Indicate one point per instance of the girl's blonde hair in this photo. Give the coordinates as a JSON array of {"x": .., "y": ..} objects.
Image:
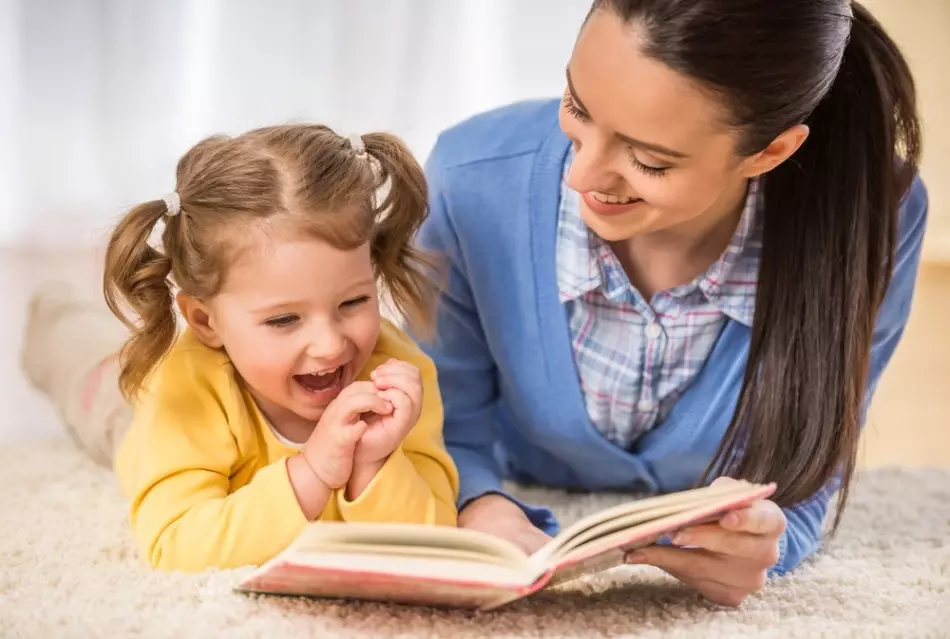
[{"x": 305, "y": 178}]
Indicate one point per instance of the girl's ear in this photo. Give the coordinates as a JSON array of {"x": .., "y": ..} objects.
[
  {"x": 200, "y": 319},
  {"x": 781, "y": 148}
]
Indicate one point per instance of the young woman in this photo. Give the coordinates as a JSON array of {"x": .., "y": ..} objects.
[{"x": 696, "y": 265}]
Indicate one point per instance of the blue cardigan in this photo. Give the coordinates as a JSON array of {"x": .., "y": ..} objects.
[{"x": 513, "y": 405}]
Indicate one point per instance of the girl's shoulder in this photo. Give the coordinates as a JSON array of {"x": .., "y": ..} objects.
[{"x": 190, "y": 368}]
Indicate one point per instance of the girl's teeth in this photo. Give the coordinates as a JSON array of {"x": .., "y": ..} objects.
[{"x": 324, "y": 373}]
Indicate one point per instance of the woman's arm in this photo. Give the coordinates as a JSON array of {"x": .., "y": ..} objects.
[
  {"x": 466, "y": 369},
  {"x": 468, "y": 378}
]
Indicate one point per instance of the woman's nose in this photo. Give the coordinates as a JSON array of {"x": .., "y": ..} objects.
[{"x": 590, "y": 168}]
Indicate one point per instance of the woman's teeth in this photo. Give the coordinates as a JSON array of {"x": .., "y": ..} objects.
[{"x": 611, "y": 199}]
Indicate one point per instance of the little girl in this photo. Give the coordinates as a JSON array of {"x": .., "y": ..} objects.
[{"x": 286, "y": 398}]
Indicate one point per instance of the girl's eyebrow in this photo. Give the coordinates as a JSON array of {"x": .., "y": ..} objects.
[{"x": 275, "y": 306}]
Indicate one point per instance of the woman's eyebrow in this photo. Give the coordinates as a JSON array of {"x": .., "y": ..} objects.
[{"x": 640, "y": 144}]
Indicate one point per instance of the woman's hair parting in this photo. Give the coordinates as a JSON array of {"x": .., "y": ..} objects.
[
  {"x": 305, "y": 178},
  {"x": 830, "y": 216}
]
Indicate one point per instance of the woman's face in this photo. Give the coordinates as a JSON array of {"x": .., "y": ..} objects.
[{"x": 653, "y": 152}]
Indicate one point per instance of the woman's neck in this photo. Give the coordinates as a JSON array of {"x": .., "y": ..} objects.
[{"x": 675, "y": 256}]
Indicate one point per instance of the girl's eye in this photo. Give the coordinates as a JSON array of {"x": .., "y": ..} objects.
[
  {"x": 283, "y": 320},
  {"x": 572, "y": 109},
  {"x": 653, "y": 171},
  {"x": 356, "y": 301}
]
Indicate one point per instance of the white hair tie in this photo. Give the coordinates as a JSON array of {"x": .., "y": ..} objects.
[
  {"x": 356, "y": 143},
  {"x": 172, "y": 204}
]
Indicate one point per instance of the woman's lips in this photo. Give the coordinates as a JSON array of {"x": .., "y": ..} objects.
[{"x": 606, "y": 208}]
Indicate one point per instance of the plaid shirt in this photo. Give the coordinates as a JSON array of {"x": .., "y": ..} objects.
[{"x": 635, "y": 358}]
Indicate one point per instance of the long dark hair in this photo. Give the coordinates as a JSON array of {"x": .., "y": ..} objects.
[{"x": 830, "y": 220}]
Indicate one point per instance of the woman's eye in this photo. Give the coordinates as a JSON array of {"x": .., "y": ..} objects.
[
  {"x": 654, "y": 171},
  {"x": 356, "y": 301},
  {"x": 572, "y": 109},
  {"x": 283, "y": 320}
]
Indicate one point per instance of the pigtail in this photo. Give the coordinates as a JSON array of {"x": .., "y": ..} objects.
[
  {"x": 404, "y": 269},
  {"x": 137, "y": 274}
]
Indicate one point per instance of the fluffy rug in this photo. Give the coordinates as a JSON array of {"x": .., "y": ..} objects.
[{"x": 68, "y": 568}]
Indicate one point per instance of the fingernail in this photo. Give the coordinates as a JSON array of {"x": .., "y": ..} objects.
[
  {"x": 731, "y": 519},
  {"x": 680, "y": 539},
  {"x": 636, "y": 557}
]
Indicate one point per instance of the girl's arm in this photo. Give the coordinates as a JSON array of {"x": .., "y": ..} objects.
[
  {"x": 183, "y": 513},
  {"x": 180, "y": 465}
]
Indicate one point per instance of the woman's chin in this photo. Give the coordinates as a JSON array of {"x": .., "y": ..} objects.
[{"x": 617, "y": 228}]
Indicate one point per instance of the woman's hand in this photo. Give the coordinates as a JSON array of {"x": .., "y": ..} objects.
[
  {"x": 497, "y": 515},
  {"x": 727, "y": 560}
]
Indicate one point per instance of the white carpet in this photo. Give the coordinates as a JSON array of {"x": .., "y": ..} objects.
[{"x": 68, "y": 568}]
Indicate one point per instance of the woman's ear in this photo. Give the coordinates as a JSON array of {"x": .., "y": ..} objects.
[
  {"x": 780, "y": 149},
  {"x": 200, "y": 319}
]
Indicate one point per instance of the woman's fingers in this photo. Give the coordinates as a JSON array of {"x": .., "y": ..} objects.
[
  {"x": 714, "y": 538},
  {"x": 762, "y": 517},
  {"x": 698, "y": 569}
]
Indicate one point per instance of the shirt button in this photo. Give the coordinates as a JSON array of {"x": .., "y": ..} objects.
[
  {"x": 645, "y": 405},
  {"x": 653, "y": 330}
]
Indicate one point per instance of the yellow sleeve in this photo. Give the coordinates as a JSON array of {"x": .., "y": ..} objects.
[
  {"x": 419, "y": 482},
  {"x": 177, "y": 465}
]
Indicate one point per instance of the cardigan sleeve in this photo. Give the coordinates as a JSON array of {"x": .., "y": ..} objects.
[{"x": 467, "y": 372}]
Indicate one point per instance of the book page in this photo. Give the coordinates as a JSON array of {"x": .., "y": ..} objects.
[
  {"x": 420, "y": 552},
  {"x": 588, "y": 566},
  {"x": 628, "y": 514},
  {"x": 406, "y": 539},
  {"x": 610, "y": 548}
]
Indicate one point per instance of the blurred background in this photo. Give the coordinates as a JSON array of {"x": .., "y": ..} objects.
[{"x": 100, "y": 97}]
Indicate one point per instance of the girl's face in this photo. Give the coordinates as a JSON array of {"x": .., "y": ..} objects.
[
  {"x": 299, "y": 319},
  {"x": 652, "y": 151}
]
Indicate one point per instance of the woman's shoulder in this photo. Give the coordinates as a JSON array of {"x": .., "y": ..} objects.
[
  {"x": 515, "y": 129},
  {"x": 916, "y": 201},
  {"x": 912, "y": 220}
]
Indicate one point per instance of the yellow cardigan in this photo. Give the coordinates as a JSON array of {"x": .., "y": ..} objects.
[{"x": 207, "y": 479}]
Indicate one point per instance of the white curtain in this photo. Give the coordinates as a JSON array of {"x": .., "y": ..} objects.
[{"x": 98, "y": 98}]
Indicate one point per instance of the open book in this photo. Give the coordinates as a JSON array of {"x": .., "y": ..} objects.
[{"x": 444, "y": 566}]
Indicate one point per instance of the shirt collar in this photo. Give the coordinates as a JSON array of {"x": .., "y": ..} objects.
[{"x": 578, "y": 265}]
